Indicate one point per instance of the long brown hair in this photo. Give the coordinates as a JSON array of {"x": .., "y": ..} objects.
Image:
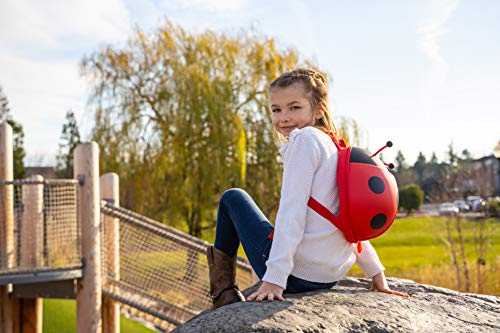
[{"x": 315, "y": 84}]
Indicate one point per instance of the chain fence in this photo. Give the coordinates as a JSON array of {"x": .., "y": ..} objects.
[
  {"x": 39, "y": 226},
  {"x": 158, "y": 273}
]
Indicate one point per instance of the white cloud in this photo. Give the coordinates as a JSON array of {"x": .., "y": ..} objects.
[
  {"x": 429, "y": 32},
  {"x": 60, "y": 24},
  {"x": 21, "y": 23},
  {"x": 40, "y": 92},
  {"x": 42, "y": 45},
  {"x": 428, "y": 35},
  {"x": 202, "y": 5}
]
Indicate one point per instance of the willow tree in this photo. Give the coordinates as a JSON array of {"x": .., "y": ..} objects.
[{"x": 183, "y": 116}]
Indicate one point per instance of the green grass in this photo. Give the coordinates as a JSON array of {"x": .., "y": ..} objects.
[
  {"x": 59, "y": 316},
  {"x": 423, "y": 241},
  {"x": 419, "y": 249}
]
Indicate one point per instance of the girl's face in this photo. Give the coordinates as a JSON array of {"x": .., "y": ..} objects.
[{"x": 291, "y": 108}]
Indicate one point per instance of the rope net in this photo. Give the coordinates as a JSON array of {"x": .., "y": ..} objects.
[
  {"x": 155, "y": 271},
  {"x": 39, "y": 226}
]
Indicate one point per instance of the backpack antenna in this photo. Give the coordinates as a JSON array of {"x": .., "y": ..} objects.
[{"x": 388, "y": 144}]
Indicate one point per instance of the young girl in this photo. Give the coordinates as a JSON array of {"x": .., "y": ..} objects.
[{"x": 303, "y": 251}]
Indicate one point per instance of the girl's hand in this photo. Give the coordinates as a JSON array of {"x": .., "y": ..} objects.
[
  {"x": 379, "y": 283},
  {"x": 267, "y": 291}
]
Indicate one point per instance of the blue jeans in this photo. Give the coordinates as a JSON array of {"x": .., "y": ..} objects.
[{"x": 239, "y": 219}]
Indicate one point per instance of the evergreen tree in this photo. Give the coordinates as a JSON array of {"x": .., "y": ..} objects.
[
  {"x": 4, "y": 105},
  {"x": 434, "y": 159},
  {"x": 70, "y": 138},
  {"x": 419, "y": 166},
  {"x": 400, "y": 162},
  {"x": 452, "y": 155},
  {"x": 19, "y": 154},
  {"x": 18, "y": 136}
]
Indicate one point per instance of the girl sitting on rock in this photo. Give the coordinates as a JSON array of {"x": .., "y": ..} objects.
[{"x": 304, "y": 251}]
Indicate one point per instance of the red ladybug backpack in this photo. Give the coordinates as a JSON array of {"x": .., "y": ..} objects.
[{"x": 368, "y": 194}]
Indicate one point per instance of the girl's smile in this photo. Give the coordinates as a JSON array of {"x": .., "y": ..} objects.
[{"x": 288, "y": 129}]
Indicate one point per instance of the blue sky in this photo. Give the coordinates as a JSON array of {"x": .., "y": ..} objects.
[{"x": 422, "y": 73}]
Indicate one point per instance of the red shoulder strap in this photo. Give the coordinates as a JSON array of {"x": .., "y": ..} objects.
[
  {"x": 320, "y": 209},
  {"x": 315, "y": 205},
  {"x": 339, "y": 143}
]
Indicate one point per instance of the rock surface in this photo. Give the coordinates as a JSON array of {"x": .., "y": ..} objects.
[{"x": 351, "y": 307}]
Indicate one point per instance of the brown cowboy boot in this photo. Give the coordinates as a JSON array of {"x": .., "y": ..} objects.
[{"x": 222, "y": 273}]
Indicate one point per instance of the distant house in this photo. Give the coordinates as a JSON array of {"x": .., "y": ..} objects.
[
  {"x": 496, "y": 153},
  {"x": 45, "y": 172},
  {"x": 486, "y": 171},
  {"x": 484, "y": 177}
]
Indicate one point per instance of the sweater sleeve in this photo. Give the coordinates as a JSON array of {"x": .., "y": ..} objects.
[
  {"x": 301, "y": 160},
  {"x": 368, "y": 260}
]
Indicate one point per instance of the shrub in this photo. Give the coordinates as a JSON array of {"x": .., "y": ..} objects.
[
  {"x": 411, "y": 197},
  {"x": 492, "y": 208}
]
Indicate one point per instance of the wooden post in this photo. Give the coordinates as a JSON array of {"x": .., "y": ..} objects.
[
  {"x": 31, "y": 229},
  {"x": 6, "y": 222},
  {"x": 32, "y": 224},
  {"x": 89, "y": 294},
  {"x": 110, "y": 190}
]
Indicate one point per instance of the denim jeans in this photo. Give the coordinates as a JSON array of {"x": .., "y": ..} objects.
[{"x": 239, "y": 219}]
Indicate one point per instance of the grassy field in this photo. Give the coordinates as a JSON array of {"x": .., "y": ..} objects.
[
  {"x": 421, "y": 249},
  {"x": 59, "y": 316}
]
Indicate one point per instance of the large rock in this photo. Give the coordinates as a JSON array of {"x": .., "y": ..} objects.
[{"x": 351, "y": 307}]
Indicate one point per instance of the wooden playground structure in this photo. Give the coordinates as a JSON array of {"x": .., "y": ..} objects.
[{"x": 71, "y": 239}]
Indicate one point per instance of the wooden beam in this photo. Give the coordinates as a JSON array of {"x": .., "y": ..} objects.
[
  {"x": 109, "y": 187},
  {"x": 31, "y": 251},
  {"x": 6, "y": 223},
  {"x": 89, "y": 293}
]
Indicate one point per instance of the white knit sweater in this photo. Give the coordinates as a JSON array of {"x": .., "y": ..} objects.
[{"x": 305, "y": 244}]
